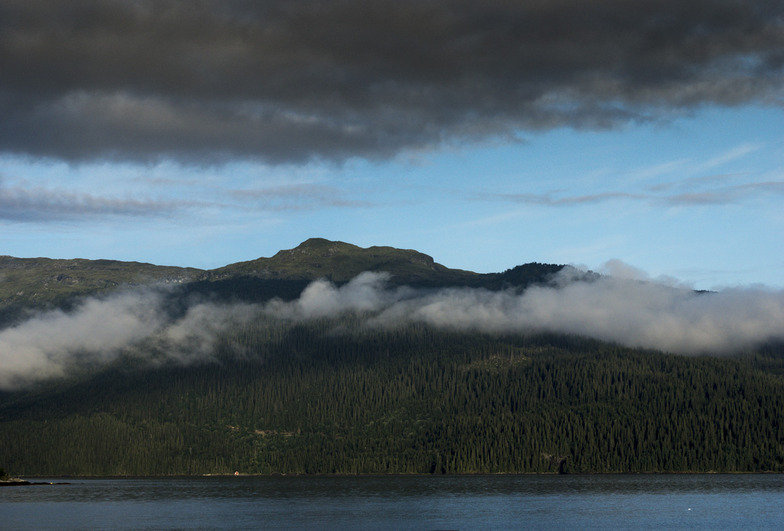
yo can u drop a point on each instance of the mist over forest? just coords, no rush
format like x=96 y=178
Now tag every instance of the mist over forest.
x=627 y=311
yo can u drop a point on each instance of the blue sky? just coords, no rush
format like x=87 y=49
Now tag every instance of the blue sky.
x=478 y=166
x=698 y=200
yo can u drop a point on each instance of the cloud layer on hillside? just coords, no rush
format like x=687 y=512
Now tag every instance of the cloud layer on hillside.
x=626 y=311
x=53 y=343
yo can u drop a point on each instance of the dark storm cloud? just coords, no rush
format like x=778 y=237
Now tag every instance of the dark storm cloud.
x=296 y=80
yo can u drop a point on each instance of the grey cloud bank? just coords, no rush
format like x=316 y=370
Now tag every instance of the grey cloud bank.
x=101 y=330
x=287 y=81
x=50 y=344
x=625 y=312
x=622 y=310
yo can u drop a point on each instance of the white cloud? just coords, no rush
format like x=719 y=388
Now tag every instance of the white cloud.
x=48 y=345
x=633 y=313
x=628 y=309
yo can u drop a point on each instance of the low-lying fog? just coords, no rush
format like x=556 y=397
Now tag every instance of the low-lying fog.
x=619 y=309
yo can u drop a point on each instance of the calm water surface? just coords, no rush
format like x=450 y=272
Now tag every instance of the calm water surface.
x=445 y=502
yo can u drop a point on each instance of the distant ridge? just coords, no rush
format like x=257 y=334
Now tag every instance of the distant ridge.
x=45 y=281
x=40 y=283
x=339 y=262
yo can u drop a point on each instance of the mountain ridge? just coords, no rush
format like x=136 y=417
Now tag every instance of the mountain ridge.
x=339 y=262
x=48 y=282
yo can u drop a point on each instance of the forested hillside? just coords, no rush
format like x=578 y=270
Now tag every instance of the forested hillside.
x=333 y=359
x=338 y=397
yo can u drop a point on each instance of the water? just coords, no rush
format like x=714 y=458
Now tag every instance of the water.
x=401 y=502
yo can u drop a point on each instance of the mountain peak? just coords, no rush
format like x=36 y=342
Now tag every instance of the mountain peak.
x=319 y=246
x=339 y=261
x=44 y=282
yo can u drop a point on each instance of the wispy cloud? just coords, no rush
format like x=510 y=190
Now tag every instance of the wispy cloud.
x=674 y=183
x=556 y=200
x=691 y=183
x=738 y=152
x=713 y=196
x=36 y=204
x=311 y=80
x=722 y=195
x=297 y=197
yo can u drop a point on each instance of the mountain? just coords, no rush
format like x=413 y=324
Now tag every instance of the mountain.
x=42 y=283
x=340 y=262
x=190 y=379
x=39 y=279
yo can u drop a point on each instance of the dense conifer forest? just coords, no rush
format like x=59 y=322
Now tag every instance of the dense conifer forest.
x=334 y=396
x=271 y=389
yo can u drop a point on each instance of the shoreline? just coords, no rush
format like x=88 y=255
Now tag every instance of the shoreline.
x=20 y=481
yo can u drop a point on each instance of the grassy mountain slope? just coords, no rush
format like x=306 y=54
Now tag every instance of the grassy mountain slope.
x=340 y=262
x=44 y=282
x=42 y=279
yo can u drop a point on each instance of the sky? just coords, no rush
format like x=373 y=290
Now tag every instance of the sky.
x=637 y=138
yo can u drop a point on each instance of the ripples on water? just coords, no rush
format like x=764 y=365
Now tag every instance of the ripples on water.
x=401 y=502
